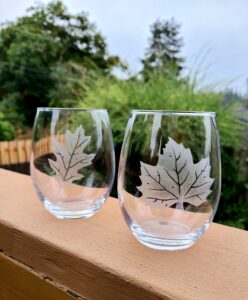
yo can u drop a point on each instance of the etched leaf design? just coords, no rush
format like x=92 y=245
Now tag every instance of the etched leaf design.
x=70 y=158
x=175 y=178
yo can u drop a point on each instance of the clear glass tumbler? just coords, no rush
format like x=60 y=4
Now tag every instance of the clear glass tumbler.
x=72 y=162
x=169 y=176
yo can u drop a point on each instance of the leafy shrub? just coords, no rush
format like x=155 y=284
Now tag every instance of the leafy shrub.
x=7 y=130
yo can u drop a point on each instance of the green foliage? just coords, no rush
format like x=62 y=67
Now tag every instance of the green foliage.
x=68 y=78
x=74 y=37
x=32 y=47
x=25 y=75
x=72 y=81
x=7 y=130
x=163 y=54
x=119 y=97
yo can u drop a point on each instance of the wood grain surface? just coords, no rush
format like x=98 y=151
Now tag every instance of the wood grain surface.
x=100 y=259
x=19 y=282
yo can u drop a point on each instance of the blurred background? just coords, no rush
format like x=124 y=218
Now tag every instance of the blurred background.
x=124 y=55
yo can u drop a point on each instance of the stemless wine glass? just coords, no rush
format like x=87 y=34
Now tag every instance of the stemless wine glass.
x=169 y=176
x=72 y=162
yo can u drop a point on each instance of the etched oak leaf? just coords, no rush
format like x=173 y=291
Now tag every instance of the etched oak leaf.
x=175 y=179
x=70 y=158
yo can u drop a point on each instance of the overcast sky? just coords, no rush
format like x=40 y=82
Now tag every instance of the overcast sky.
x=214 y=31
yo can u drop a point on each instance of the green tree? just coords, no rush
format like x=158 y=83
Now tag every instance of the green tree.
x=163 y=53
x=32 y=47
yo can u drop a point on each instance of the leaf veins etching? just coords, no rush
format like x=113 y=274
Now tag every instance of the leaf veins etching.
x=175 y=179
x=70 y=158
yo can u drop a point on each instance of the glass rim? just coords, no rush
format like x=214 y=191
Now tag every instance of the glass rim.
x=175 y=112
x=71 y=109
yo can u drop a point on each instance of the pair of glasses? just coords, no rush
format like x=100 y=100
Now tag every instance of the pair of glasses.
x=169 y=170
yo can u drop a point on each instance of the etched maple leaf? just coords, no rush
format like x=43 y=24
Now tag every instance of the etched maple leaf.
x=175 y=178
x=70 y=158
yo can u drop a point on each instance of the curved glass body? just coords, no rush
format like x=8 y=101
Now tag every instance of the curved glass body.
x=169 y=176
x=72 y=163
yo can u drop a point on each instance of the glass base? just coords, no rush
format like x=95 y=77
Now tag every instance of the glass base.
x=71 y=214
x=169 y=243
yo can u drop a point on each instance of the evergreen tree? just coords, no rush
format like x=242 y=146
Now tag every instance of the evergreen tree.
x=163 y=53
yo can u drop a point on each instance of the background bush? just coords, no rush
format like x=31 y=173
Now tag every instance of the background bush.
x=7 y=130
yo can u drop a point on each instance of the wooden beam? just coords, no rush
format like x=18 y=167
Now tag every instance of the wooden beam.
x=21 y=150
x=20 y=282
x=5 y=155
x=99 y=258
x=13 y=153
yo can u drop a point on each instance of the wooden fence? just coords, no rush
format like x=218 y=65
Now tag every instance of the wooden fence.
x=19 y=151
x=15 y=152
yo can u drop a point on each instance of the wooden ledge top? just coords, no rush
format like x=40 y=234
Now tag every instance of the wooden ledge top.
x=99 y=258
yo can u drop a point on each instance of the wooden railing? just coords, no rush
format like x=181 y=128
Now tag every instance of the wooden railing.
x=45 y=258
